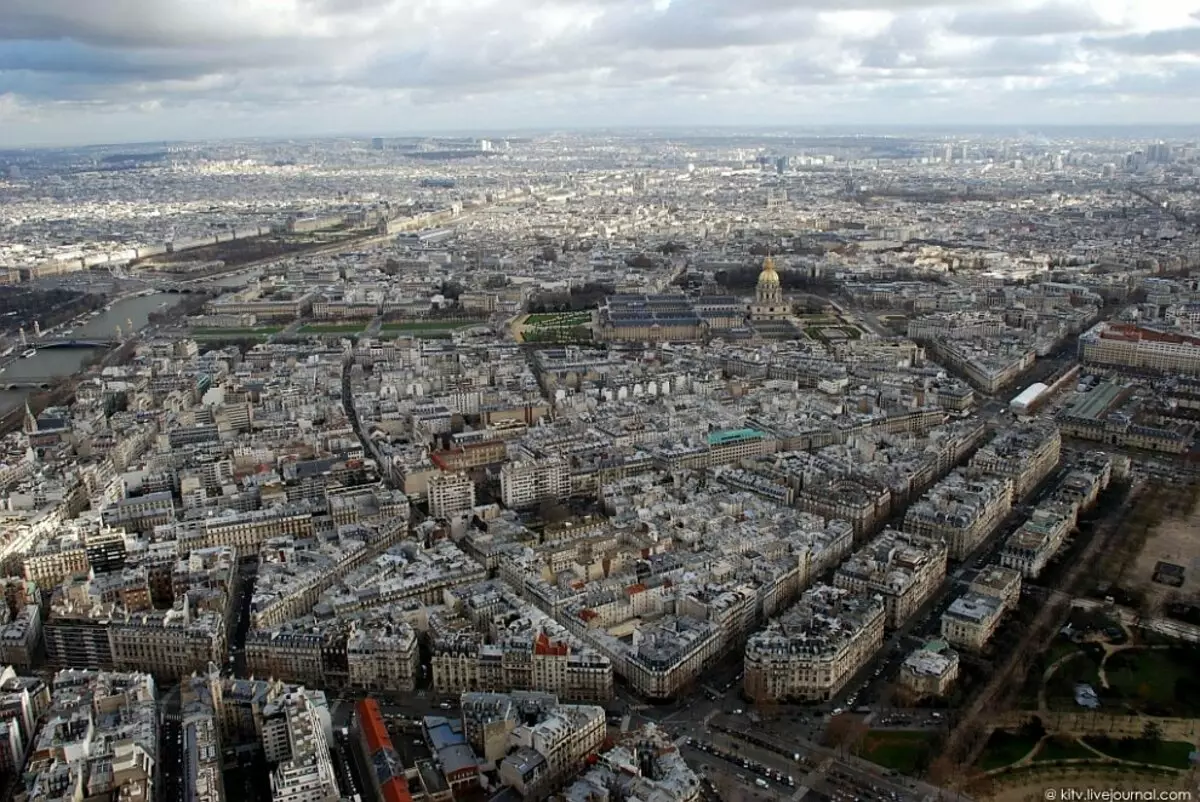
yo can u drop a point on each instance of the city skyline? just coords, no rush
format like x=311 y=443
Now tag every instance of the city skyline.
x=179 y=70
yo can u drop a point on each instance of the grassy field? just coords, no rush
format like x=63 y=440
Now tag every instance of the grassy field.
x=1062 y=749
x=218 y=332
x=1159 y=753
x=1003 y=749
x=906 y=751
x=1160 y=678
x=567 y=319
x=332 y=328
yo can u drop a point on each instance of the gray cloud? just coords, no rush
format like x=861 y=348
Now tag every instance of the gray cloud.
x=1158 y=43
x=431 y=55
x=1052 y=19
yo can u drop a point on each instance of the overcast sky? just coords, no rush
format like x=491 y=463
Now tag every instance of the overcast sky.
x=85 y=71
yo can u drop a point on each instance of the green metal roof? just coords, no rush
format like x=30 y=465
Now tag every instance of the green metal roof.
x=732 y=436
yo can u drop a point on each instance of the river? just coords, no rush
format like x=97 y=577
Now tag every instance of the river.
x=66 y=361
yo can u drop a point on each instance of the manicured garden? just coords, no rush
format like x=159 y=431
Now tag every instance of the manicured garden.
x=827 y=332
x=559 y=319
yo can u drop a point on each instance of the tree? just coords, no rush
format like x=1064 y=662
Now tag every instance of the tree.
x=391 y=267
x=552 y=512
x=1152 y=732
x=1033 y=729
x=942 y=771
x=846 y=732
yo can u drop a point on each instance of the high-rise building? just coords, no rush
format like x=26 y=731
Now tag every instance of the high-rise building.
x=526 y=482
x=450 y=493
x=377 y=143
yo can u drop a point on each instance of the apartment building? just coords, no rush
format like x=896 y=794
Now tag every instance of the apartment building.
x=812 y=650
x=563 y=739
x=866 y=504
x=246 y=531
x=140 y=513
x=1140 y=348
x=489 y=718
x=470 y=455
x=383 y=657
x=904 y=569
x=460 y=665
x=170 y=644
x=100 y=733
x=1030 y=548
x=12 y=748
x=1026 y=454
x=971 y=620
x=294 y=741
x=450 y=493
x=644 y=765
x=670 y=654
x=930 y=670
x=960 y=511
x=526 y=482
x=998 y=581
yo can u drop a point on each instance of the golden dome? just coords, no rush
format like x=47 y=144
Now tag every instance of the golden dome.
x=768 y=274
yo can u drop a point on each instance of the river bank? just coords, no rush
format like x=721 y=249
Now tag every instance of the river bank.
x=56 y=363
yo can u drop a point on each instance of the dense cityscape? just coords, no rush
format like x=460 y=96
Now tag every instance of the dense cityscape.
x=662 y=466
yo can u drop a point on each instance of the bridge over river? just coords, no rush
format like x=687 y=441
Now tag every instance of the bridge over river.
x=74 y=342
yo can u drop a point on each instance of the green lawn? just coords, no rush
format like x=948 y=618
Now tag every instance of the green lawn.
x=239 y=332
x=1162 y=678
x=906 y=751
x=1060 y=689
x=567 y=319
x=428 y=325
x=1060 y=648
x=1159 y=753
x=1004 y=748
x=332 y=328
x=1062 y=749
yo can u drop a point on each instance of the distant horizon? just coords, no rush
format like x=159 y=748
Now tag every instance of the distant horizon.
x=1187 y=130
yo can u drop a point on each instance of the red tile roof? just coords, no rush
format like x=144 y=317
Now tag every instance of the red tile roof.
x=370 y=721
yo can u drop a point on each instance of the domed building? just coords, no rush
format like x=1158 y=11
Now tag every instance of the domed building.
x=769 y=303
